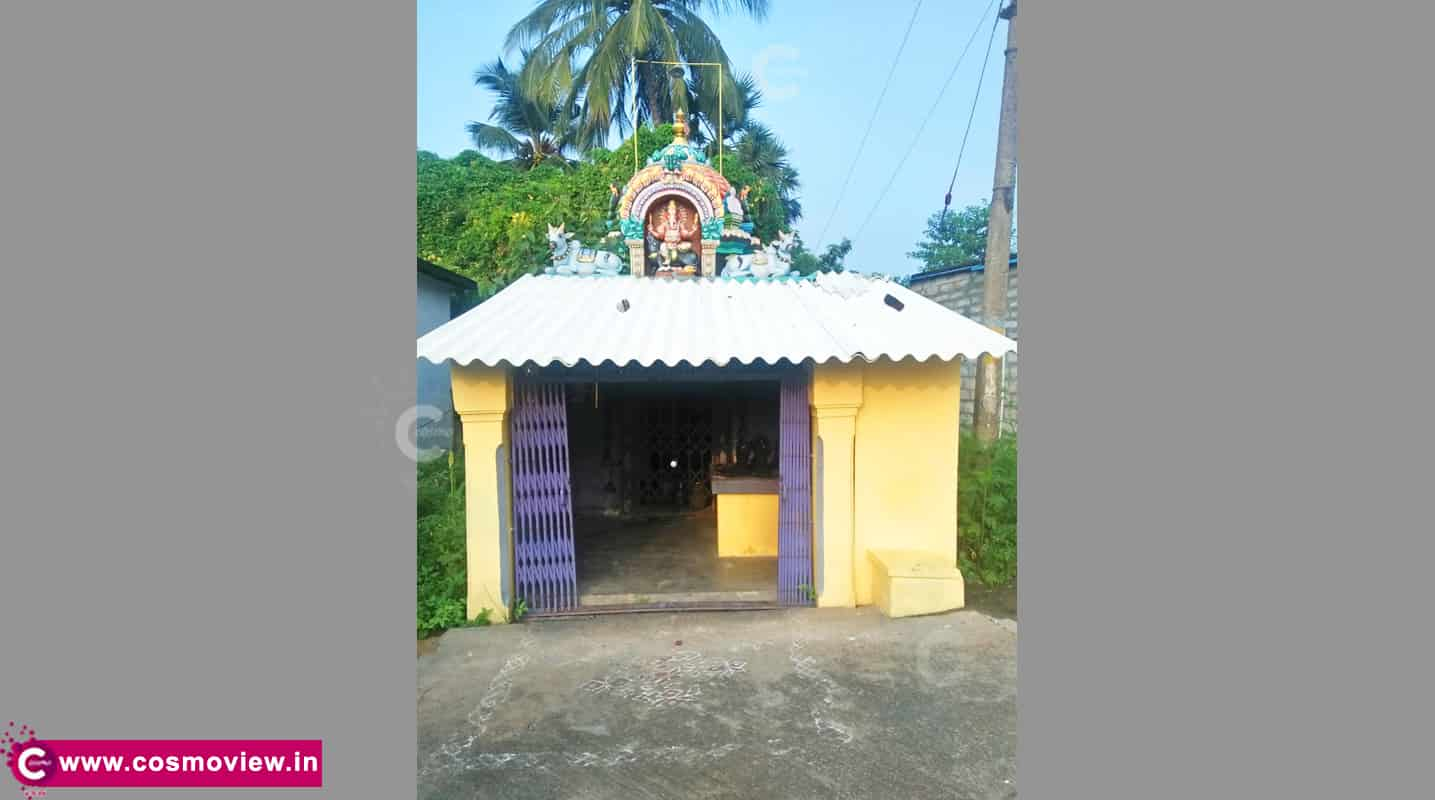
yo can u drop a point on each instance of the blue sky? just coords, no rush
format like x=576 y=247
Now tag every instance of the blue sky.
x=822 y=65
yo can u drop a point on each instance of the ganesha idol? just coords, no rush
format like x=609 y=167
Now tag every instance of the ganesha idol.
x=673 y=233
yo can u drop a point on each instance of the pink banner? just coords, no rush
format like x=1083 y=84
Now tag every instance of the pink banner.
x=158 y=763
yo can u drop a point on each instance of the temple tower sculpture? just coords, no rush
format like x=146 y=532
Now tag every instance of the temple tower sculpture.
x=672 y=211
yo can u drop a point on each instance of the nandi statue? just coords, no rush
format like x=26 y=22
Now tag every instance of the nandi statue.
x=770 y=262
x=570 y=257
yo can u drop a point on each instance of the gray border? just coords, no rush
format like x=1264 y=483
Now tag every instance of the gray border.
x=208 y=322
x=1215 y=569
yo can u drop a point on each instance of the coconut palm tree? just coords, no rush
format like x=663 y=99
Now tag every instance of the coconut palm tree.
x=760 y=149
x=584 y=48
x=744 y=138
x=530 y=130
x=702 y=100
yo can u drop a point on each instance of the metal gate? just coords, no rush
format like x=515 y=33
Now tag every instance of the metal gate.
x=671 y=446
x=794 y=505
x=542 y=498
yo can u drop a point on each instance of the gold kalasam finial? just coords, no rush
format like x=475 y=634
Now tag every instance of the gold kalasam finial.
x=680 y=127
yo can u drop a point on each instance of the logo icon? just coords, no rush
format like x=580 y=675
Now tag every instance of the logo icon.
x=778 y=71
x=31 y=761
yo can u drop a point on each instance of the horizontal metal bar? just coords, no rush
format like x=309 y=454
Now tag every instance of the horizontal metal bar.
x=660 y=374
x=678 y=63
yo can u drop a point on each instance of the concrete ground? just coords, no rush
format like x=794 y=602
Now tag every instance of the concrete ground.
x=666 y=558
x=795 y=703
x=996 y=601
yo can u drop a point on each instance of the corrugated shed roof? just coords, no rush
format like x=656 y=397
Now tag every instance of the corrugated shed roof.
x=446 y=275
x=546 y=319
x=918 y=277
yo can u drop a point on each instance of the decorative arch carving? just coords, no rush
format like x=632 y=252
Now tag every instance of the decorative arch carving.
x=655 y=192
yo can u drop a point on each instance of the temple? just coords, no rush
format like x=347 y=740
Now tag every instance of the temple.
x=715 y=434
x=678 y=214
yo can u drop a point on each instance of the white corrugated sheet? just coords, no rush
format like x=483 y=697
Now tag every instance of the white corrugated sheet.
x=547 y=319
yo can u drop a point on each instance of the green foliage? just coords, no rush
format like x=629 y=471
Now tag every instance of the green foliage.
x=442 y=569
x=986 y=513
x=956 y=241
x=488 y=220
x=518 y=610
x=832 y=260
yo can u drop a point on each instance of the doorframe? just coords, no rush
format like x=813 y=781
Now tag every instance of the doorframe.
x=781 y=373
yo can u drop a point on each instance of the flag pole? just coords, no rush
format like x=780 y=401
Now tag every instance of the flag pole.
x=635 y=115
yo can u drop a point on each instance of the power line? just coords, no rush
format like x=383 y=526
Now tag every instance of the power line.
x=862 y=144
x=918 y=137
x=947 y=203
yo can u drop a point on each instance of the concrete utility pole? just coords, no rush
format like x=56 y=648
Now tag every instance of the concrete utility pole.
x=986 y=417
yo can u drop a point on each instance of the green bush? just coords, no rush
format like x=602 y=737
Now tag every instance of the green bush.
x=986 y=510
x=442 y=569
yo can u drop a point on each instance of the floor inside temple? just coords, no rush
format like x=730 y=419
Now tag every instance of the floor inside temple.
x=664 y=558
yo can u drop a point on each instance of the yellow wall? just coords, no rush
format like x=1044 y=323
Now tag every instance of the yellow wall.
x=902 y=489
x=747 y=525
x=481 y=398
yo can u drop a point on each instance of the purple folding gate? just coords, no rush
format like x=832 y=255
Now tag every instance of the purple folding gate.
x=794 y=504
x=542 y=498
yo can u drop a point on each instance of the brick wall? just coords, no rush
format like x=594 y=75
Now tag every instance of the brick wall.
x=961 y=291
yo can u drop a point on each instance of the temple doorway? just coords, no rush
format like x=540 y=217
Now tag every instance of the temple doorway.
x=650 y=461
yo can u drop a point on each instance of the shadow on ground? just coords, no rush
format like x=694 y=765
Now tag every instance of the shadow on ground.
x=794 y=703
x=997 y=601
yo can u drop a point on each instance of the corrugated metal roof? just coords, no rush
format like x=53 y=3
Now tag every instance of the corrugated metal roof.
x=980 y=266
x=446 y=275
x=545 y=319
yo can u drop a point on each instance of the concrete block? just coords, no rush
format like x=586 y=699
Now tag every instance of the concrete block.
x=747 y=525
x=906 y=583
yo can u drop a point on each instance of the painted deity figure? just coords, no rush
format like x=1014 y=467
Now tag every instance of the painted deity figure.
x=673 y=233
x=732 y=206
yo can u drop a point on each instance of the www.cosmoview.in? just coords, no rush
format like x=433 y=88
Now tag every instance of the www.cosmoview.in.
x=159 y=763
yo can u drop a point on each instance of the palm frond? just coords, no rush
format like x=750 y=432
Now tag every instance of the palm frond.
x=582 y=50
x=541 y=19
x=493 y=138
x=757 y=9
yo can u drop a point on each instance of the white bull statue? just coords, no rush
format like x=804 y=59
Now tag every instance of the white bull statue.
x=770 y=262
x=570 y=257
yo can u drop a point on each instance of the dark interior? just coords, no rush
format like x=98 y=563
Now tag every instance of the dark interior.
x=641 y=459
